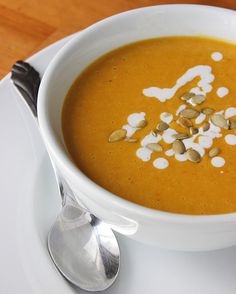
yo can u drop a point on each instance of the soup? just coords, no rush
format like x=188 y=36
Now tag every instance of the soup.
x=154 y=122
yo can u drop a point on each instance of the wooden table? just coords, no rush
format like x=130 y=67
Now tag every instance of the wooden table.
x=27 y=26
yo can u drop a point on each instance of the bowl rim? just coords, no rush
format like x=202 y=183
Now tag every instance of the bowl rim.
x=61 y=155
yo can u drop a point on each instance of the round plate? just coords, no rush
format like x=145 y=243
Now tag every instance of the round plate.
x=30 y=204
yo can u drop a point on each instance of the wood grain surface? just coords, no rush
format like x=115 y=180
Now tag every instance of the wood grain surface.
x=27 y=26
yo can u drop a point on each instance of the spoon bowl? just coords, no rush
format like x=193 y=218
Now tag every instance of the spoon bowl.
x=84 y=249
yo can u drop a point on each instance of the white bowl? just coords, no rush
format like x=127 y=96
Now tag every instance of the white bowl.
x=167 y=230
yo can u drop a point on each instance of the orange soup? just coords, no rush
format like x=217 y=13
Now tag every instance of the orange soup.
x=154 y=122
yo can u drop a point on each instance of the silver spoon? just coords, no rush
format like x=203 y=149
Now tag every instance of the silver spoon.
x=83 y=248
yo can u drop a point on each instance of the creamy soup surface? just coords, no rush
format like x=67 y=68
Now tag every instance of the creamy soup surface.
x=154 y=122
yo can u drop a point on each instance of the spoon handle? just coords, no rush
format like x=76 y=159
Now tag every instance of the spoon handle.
x=27 y=80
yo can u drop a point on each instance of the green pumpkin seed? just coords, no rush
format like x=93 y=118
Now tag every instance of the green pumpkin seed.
x=185 y=122
x=231 y=124
x=189 y=113
x=162 y=126
x=141 y=124
x=198 y=99
x=219 y=120
x=193 y=131
x=180 y=136
x=187 y=96
x=117 y=135
x=178 y=147
x=207 y=110
x=155 y=133
x=154 y=147
x=205 y=126
x=214 y=152
x=193 y=155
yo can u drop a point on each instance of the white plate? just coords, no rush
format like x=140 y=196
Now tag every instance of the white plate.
x=30 y=203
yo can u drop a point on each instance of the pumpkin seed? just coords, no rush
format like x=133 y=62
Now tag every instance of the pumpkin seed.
x=141 y=124
x=219 y=121
x=154 y=147
x=232 y=124
x=155 y=133
x=117 y=135
x=180 y=136
x=214 y=152
x=205 y=126
x=207 y=111
x=189 y=113
x=185 y=122
x=187 y=96
x=162 y=126
x=131 y=140
x=193 y=131
x=178 y=147
x=193 y=155
x=198 y=99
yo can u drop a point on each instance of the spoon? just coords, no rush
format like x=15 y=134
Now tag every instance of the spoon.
x=82 y=247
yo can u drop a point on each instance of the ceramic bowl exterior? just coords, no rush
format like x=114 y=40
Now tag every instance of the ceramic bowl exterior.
x=167 y=230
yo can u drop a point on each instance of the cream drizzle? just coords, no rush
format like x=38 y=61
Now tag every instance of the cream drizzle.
x=216 y=56
x=166 y=117
x=169 y=152
x=133 y=120
x=181 y=157
x=200 y=118
x=230 y=139
x=144 y=153
x=230 y=112
x=205 y=139
x=196 y=91
x=160 y=163
x=182 y=107
x=203 y=71
x=130 y=130
x=218 y=161
x=222 y=92
x=168 y=136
